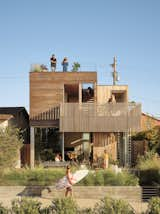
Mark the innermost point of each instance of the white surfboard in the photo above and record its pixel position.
(77, 176)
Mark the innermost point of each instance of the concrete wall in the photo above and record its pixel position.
(129, 193)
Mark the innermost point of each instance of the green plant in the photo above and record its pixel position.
(149, 161)
(112, 206)
(75, 66)
(37, 176)
(154, 206)
(85, 211)
(152, 136)
(10, 144)
(109, 178)
(25, 206)
(64, 206)
(3, 210)
(149, 169)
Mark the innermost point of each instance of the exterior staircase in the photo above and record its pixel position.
(50, 118)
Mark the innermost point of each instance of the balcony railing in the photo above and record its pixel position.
(91, 117)
(46, 118)
(37, 67)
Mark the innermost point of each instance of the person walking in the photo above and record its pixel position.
(53, 62)
(65, 64)
(70, 179)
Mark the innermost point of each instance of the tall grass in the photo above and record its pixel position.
(109, 178)
(45, 177)
(37, 176)
(149, 169)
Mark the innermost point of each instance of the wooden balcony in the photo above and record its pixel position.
(49, 118)
(91, 117)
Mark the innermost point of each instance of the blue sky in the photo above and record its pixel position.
(88, 31)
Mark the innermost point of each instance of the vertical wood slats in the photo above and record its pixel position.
(51, 114)
(92, 117)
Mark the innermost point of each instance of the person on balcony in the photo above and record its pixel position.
(53, 61)
(65, 64)
(112, 99)
(105, 159)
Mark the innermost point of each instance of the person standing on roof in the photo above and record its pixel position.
(53, 61)
(65, 64)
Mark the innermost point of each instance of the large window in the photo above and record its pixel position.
(71, 93)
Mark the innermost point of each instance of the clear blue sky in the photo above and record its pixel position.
(88, 31)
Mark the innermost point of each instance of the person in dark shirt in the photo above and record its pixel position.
(53, 61)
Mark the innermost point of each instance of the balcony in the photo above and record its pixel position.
(91, 117)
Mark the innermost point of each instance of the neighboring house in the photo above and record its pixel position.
(19, 118)
(6, 120)
(148, 122)
(140, 147)
(70, 114)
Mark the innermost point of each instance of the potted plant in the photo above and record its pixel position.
(75, 66)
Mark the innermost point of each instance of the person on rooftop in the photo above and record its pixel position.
(65, 64)
(53, 62)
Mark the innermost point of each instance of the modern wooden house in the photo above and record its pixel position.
(70, 112)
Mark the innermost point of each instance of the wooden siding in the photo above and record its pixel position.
(104, 141)
(119, 117)
(104, 92)
(47, 88)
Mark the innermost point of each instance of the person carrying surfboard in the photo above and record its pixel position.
(71, 181)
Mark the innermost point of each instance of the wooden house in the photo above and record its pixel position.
(71, 113)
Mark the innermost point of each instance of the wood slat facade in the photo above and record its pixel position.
(119, 117)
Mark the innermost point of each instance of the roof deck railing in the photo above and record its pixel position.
(38, 67)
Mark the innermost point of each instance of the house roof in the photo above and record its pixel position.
(4, 117)
(151, 116)
(13, 111)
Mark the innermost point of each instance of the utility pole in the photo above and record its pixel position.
(114, 72)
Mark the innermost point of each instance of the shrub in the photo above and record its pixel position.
(149, 161)
(25, 206)
(154, 206)
(112, 206)
(10, 144)
(99, 178)
(109, 178)
(149, 169)
(37, 176)
(64, 206)
(85, 211)
(3, 210)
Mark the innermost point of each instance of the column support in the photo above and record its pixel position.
(80, 93)
(62, 146)
(32, 147)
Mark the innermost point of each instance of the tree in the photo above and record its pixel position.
(10, 144)
(152, 136)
